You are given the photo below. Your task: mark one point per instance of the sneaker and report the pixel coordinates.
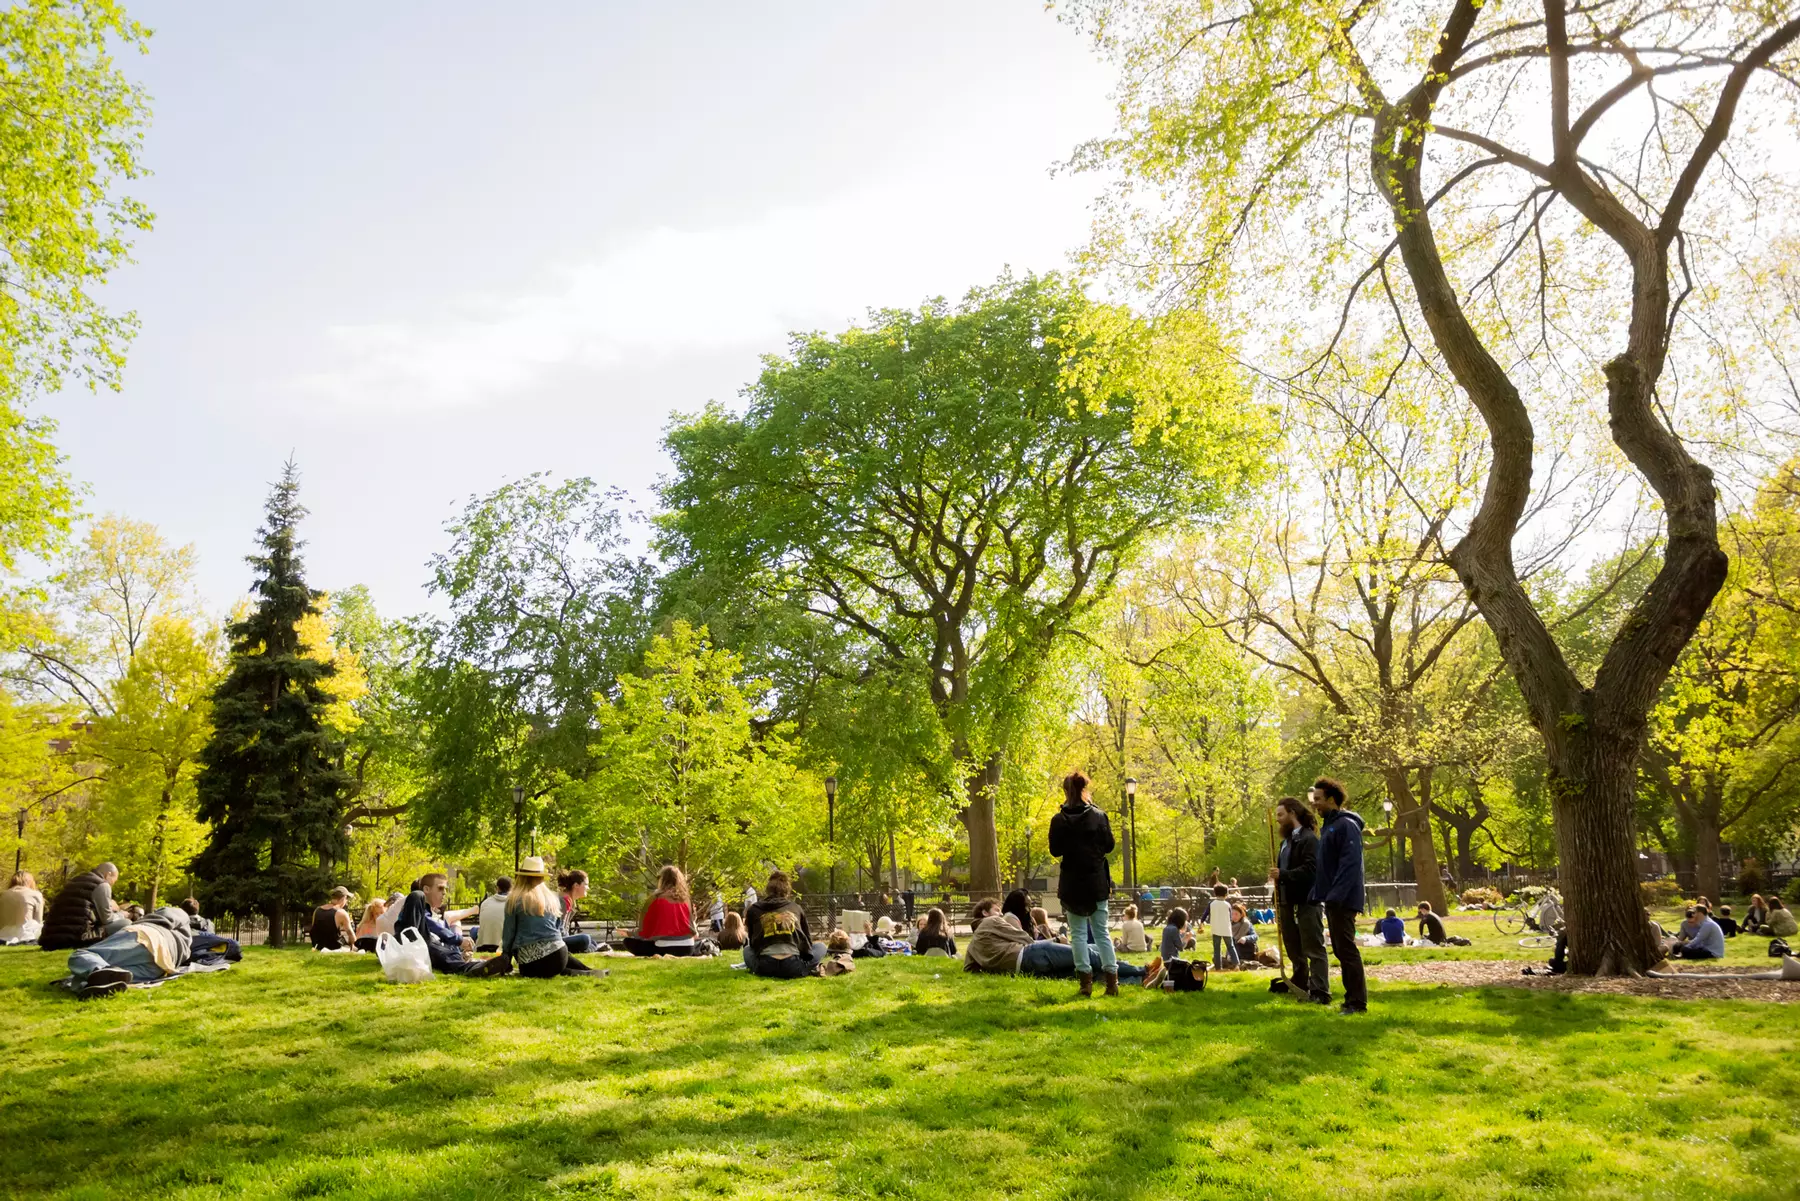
(1318, 998)
(89, 992)
(109, 975)
(1348, 1010)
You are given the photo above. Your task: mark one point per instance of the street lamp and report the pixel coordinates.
(831, 834)
(1131, 820)
(1387, 807)
(518, 816)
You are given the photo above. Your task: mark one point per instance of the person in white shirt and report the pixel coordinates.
(1132, 936)
(1219, 921)
(749, 896)
(491, 913)
(715, 914)
(21, 910)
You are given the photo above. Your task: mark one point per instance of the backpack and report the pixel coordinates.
(1186, 976)
(1778, 947)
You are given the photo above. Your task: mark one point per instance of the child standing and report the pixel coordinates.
(1219, 921)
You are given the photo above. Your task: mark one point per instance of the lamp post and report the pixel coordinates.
(1131, 819)
(831, 836)
(518, 816)
(1387, 807)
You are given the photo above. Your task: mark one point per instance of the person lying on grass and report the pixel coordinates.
(1698, 938)
(781, 945)
(450, 952)
(531, 929)
(667, 927)
(159, 945)
(331, 929)
(1000, 948)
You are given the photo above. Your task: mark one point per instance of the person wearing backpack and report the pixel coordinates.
(1081, 837)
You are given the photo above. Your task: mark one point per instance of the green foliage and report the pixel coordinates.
(546, 609)
(271, 782)
(681, 774)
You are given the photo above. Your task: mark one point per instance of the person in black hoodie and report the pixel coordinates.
(1302, 919)
(781, 944)
(1081, 837)
(1339, 887)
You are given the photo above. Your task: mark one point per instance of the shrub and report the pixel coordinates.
(1481, 896)
(1753, 878)
(1660, 893)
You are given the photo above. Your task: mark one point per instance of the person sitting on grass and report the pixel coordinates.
(732, 936)
(1781, 923)
(1175, 935)
(1431, 926)
(1699, 938)
(574, 885)
(1727, 924)
(368, 927)
(159, 945)
(1243, 934)
(935, 935)
(1392, 930)
(1018, 903)
(667, 927)
(450, 952)
(1132, 936)
(840, 957)
(21, 910)
(531, 929)
(1040, 925)
(331, 929)
(198, 924)
(83, 912)
(490, 916)
(1219, 922)
(781, 945)
(1757, 916)
(1000, 948)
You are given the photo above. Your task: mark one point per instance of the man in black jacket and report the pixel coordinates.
(1081, 837)
(1302, 919)
(83, 913)
(1339, 886)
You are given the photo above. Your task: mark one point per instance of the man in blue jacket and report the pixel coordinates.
(1339, 886)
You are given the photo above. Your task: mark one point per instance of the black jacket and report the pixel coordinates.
(74, 917)
(1299, 865)
(1081, 837)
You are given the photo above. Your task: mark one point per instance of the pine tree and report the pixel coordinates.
(271, 780)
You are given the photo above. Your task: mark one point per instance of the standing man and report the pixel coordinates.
(1302, 918)
(1339, 886)
(1082, 838)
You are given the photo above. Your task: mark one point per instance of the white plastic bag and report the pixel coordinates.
(405, 960)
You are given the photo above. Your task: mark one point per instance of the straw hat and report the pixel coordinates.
(532, 865)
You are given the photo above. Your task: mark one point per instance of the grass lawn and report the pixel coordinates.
(298, 1075)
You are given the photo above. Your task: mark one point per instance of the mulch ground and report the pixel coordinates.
(1694, 985)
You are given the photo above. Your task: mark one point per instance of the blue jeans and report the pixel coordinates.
(579, 944)
(1057, 961)
(1230, 948)
(791, 967)
(115, 950)
(1092, 927)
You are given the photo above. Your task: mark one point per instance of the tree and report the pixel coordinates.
(681, 776)
(546, 610)
(1541, 180)
(960, 486)
(1725, 738)
(148, 747)
(271, 780)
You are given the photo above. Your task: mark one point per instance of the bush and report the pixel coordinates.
(1753, 878)
(1660, 894)
(1481, 896)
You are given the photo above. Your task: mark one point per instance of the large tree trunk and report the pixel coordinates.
(984, 835)
(1410, 817)
(1708, 874)
(1592, 782)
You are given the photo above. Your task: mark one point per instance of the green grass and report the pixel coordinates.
(297, 1075)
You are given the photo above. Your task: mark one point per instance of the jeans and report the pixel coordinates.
(579, 944)
(557, 963)
(115, 950)
(790, 967)
(1091, 928)
(1057, 961)
(1229, 946)
(1303, 941)
(1342, 923)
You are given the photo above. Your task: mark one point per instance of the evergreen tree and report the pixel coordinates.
(271, 782)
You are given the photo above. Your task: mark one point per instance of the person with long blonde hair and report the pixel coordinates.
(667, 927)
(21, 909)
(531, 933)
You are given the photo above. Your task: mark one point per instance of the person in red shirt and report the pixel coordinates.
(667, 927)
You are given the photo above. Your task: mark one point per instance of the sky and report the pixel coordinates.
(429, 248)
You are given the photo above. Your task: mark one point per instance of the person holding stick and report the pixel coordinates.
(1302, 919)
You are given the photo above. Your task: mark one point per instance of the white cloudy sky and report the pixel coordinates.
(430, 247)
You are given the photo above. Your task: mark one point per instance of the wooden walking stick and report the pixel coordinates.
(1281, 985)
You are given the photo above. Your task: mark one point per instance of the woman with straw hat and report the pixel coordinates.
(531, 935)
